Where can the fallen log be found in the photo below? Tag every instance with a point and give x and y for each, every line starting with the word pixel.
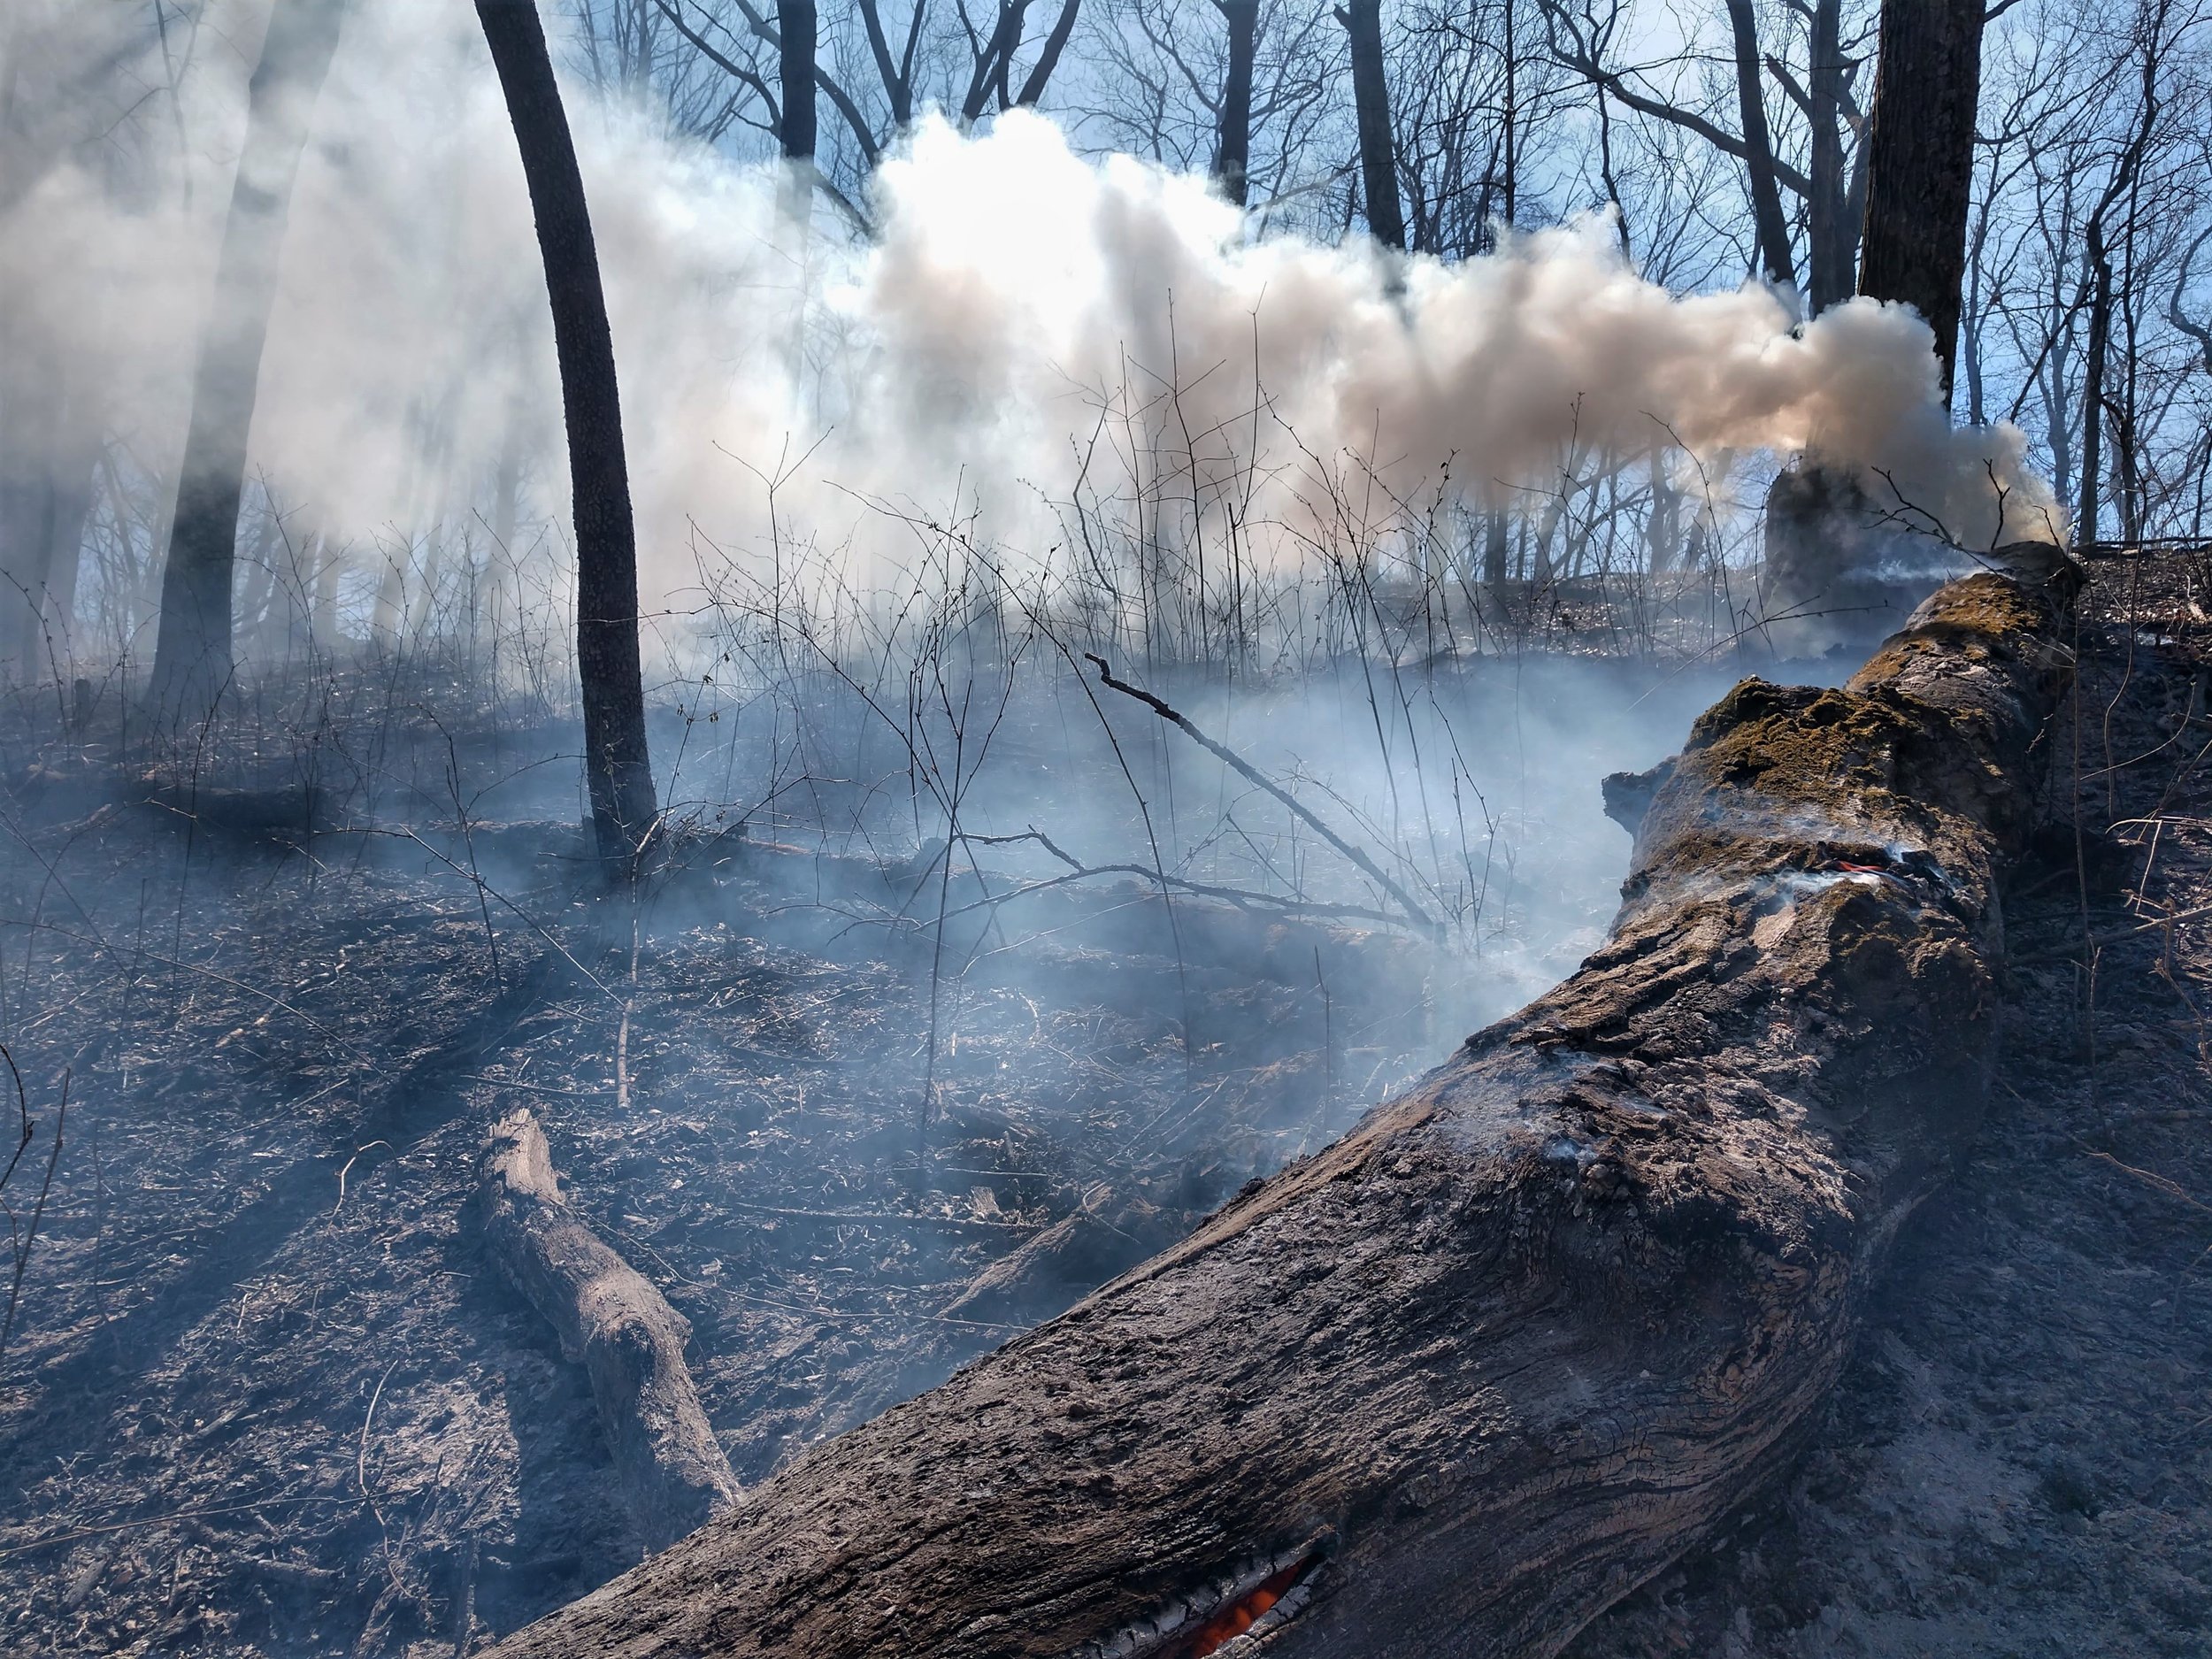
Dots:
pixel 1459 1382
pixel 673 1470
pixel 1077 1253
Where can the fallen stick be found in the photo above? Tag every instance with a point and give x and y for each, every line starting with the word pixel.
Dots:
pixel 608 1316
pixel 1460 1382
pixel 1253 775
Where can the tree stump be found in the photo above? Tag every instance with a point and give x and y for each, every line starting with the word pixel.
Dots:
pixel 1459 1382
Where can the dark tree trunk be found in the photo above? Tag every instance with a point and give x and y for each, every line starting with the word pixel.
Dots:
pixel 1232 161
pixel 192 656
pixel 2094 398
pixel 1920 161
pixel 1773 229
pixel 1829 234
pixel 618 771
pixel 2096 402
pixel 1371 102
pixel 50 445
pixel 795 31
pixel 992 62
pixel 1459 1382
pixel 795 47
pixel 1048 59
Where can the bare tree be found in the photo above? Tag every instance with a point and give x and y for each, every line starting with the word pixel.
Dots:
pixel 618 770
pixel 1232 158
pixel 2126 167
pixel 192 659
pixel 1377 146
pixel 1920 161
pixel 1758 148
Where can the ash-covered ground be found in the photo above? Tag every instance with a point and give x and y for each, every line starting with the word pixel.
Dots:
pixel 858 1119
pixel 265 1395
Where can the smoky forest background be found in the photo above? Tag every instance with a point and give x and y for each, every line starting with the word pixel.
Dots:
pixel 938 631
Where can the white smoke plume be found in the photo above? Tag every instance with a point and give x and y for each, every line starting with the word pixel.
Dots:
pixel 1020 306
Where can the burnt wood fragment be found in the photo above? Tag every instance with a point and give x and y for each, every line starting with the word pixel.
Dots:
pixel 611 1319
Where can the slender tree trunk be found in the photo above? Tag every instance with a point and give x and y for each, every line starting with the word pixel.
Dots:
pixel 618 770
pixel 2093 392
pixel 1371 99
pixel 1920 161
pixel 1233 159
pixel 1766 192
pixel 328 567
pixel 1497 549
pixel 1829 231
pixel 49 446
pixel 991 63
pixel 192 659
pixel 1048 59
pixel 795 35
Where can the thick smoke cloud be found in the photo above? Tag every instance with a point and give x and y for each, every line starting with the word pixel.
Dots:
pixel 1018 307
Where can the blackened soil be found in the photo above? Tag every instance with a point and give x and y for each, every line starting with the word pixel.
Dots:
pixel 264 1393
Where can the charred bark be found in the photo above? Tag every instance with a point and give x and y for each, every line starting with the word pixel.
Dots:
pixel 1830 238
pixel 796 30
pixel 618 771
pixel 192 655
pixel 1370 103
pixel 1233 158
pixel 614 1322
pixel 1456 1383
pixel 1758 146
pixel 1920 161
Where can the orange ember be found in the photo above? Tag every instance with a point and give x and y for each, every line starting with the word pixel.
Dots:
pixel 1239 1617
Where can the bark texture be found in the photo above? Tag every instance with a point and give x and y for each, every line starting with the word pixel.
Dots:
pixel 613 1322
pixel 618 773
pixel 1758 148
pixel 795 31
pixel 1370 103
pixel 192 655
pixel 1232 158
pixel 1920 161
pixel 1459 1382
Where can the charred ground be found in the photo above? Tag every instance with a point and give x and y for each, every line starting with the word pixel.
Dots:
pixel 266 1393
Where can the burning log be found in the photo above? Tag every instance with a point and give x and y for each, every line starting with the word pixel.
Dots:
pixel 623 1329
pixel 1462 1381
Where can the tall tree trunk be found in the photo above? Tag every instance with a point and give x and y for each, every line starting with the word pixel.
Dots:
pixel 2093 391
pixel 1830 234
pixel 1773 229
pixel 1920 161
pixel 618 771
pixel 991 63
pixel 795 46
pixel 2098 260
pixel 1371 100
pixel 192 658
pixel 49 447
pixel 1048 57
pixel 1496 549
pixel 1232 159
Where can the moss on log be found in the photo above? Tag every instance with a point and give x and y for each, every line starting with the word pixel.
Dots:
pixel 1458 1383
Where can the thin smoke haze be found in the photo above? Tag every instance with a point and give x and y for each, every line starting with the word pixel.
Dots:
pixel 1020 308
